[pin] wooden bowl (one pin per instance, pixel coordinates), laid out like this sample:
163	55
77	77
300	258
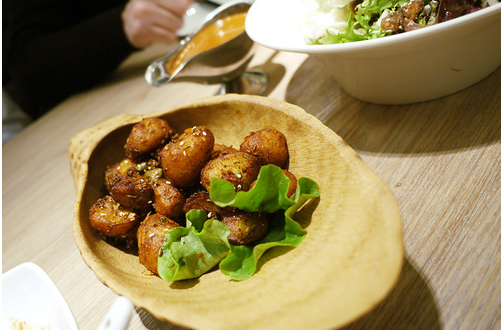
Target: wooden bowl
348	262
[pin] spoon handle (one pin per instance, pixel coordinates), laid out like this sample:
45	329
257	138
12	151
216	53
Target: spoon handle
118	317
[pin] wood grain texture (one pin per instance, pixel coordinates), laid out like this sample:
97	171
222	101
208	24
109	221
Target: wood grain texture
441	159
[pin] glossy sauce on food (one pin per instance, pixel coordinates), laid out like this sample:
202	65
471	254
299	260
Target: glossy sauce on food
211	36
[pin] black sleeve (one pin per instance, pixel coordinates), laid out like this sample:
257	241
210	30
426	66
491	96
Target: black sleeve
56	48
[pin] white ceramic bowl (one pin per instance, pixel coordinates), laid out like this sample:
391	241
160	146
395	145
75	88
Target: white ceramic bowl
411	67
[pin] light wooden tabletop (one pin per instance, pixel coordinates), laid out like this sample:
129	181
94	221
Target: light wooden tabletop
441	159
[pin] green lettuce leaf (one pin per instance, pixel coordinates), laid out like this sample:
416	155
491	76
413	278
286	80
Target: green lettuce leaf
269	194
241	262
361	22
210	237
350	35
195	249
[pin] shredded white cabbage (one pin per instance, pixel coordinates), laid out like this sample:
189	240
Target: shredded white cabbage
321	16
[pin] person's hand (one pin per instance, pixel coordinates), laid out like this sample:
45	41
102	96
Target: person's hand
151	21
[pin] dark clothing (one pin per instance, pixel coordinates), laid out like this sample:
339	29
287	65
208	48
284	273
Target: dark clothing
54	48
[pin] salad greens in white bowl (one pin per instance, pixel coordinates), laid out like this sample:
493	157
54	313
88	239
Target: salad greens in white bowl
425	62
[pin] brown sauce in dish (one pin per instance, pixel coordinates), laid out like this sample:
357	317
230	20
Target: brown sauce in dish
213	35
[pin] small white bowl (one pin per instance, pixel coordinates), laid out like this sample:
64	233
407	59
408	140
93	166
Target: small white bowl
411	67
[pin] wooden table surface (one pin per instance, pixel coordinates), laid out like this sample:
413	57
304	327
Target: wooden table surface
441	159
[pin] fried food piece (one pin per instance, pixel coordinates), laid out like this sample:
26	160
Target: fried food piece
133	192
153	175
168	199
113	172
268	145
150	237
246	227
239	168
129	239
150	171
112	219
201	201
147	135
183	159
412	9
396	20
221	149
393	22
